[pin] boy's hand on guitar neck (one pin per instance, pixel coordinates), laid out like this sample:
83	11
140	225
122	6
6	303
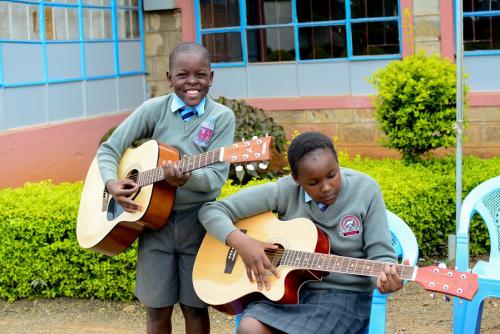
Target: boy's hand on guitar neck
253	254
389	280
122	190
173	174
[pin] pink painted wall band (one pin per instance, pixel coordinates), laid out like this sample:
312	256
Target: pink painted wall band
188	20
447	29
61	152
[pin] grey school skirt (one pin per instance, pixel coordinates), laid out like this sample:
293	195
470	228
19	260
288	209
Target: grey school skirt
318	312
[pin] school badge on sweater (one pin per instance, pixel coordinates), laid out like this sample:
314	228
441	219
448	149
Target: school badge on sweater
204	135
350	226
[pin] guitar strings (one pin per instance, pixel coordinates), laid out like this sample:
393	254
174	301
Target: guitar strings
182	164
186	162
377	265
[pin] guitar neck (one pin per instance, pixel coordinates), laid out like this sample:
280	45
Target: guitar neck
185	165
341	264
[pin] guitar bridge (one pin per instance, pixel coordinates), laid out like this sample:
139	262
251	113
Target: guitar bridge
105	199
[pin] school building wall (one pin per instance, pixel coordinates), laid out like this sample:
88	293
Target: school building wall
62	150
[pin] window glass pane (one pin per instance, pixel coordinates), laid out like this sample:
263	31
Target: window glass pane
224	47
373	8
322	42
127	3
18	14
97	23
33	23
71	2
269	45
97	2
375	38
19	21
5	21
217	14
128	24
61	23
480	5
320	10
262	12
481	33
467	5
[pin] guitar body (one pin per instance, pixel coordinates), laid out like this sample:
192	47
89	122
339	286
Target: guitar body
102	224
231	291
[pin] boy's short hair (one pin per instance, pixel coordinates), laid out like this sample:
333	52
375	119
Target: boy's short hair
306	143
187	47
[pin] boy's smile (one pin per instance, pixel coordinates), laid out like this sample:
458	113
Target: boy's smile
191	77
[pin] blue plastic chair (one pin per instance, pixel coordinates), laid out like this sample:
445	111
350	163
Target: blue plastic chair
485	201
406	247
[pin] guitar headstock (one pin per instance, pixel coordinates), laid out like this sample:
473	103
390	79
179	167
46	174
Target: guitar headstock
450	282
248	151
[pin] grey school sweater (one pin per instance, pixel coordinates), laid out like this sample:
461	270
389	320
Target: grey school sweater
155	119
360	200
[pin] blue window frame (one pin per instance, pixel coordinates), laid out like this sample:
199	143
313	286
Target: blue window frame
238	32
84	29
481	27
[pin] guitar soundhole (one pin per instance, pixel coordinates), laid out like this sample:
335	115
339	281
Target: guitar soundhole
275	255
115	209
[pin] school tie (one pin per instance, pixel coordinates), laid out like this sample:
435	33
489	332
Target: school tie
322	207
187	113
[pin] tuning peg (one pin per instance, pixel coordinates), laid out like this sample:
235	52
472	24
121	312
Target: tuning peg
442	265
240	172
432	295
447	298
263	165
250	167
254	137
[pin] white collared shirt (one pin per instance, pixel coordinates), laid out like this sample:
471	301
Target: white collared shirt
177	103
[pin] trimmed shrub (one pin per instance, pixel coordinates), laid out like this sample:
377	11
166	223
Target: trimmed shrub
415	105
39	252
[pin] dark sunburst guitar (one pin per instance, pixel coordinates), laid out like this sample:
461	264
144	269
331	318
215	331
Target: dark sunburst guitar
105	227
220	278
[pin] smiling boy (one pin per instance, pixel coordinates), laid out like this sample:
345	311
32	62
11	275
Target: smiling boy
192	123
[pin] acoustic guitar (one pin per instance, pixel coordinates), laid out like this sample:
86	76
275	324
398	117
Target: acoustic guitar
220	278
105	227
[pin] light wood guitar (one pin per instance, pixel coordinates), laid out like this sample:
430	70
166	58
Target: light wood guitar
105	227
220	278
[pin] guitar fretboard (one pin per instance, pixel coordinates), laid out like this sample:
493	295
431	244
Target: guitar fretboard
339	264
185	165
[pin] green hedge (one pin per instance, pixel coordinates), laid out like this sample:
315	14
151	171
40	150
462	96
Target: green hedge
40	256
